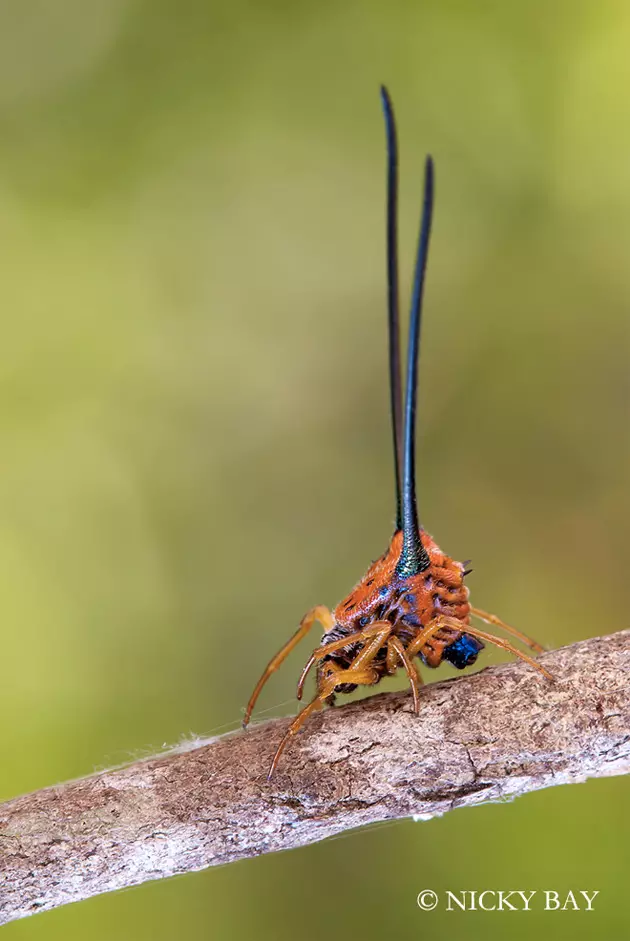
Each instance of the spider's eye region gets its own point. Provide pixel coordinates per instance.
(363, 621)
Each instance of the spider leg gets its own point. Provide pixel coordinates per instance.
(319, 613)
(365, 656)
(359, 673)
(493, 619)
(414, 648)
(378, 627)
(500, 642)
(444, 621)
(395, 649)
(361, 677)
(393, 664)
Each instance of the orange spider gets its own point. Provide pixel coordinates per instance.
(412, 602)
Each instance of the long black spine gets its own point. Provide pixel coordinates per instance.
(395, 383)
(414, 557)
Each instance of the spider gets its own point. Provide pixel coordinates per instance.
(412, 602)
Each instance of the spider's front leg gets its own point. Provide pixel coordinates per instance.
(379, 630)
(359, 673)
(328, 684)
(319, 613)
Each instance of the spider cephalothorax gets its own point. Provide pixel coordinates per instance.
(412, 602)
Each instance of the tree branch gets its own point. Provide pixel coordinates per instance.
(484, 737)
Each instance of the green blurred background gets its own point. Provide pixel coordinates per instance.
(194, 416)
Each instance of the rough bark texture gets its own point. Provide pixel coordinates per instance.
(493, 735)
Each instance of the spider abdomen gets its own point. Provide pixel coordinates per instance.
(409, 604)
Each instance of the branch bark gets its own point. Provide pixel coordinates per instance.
(483, 737)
